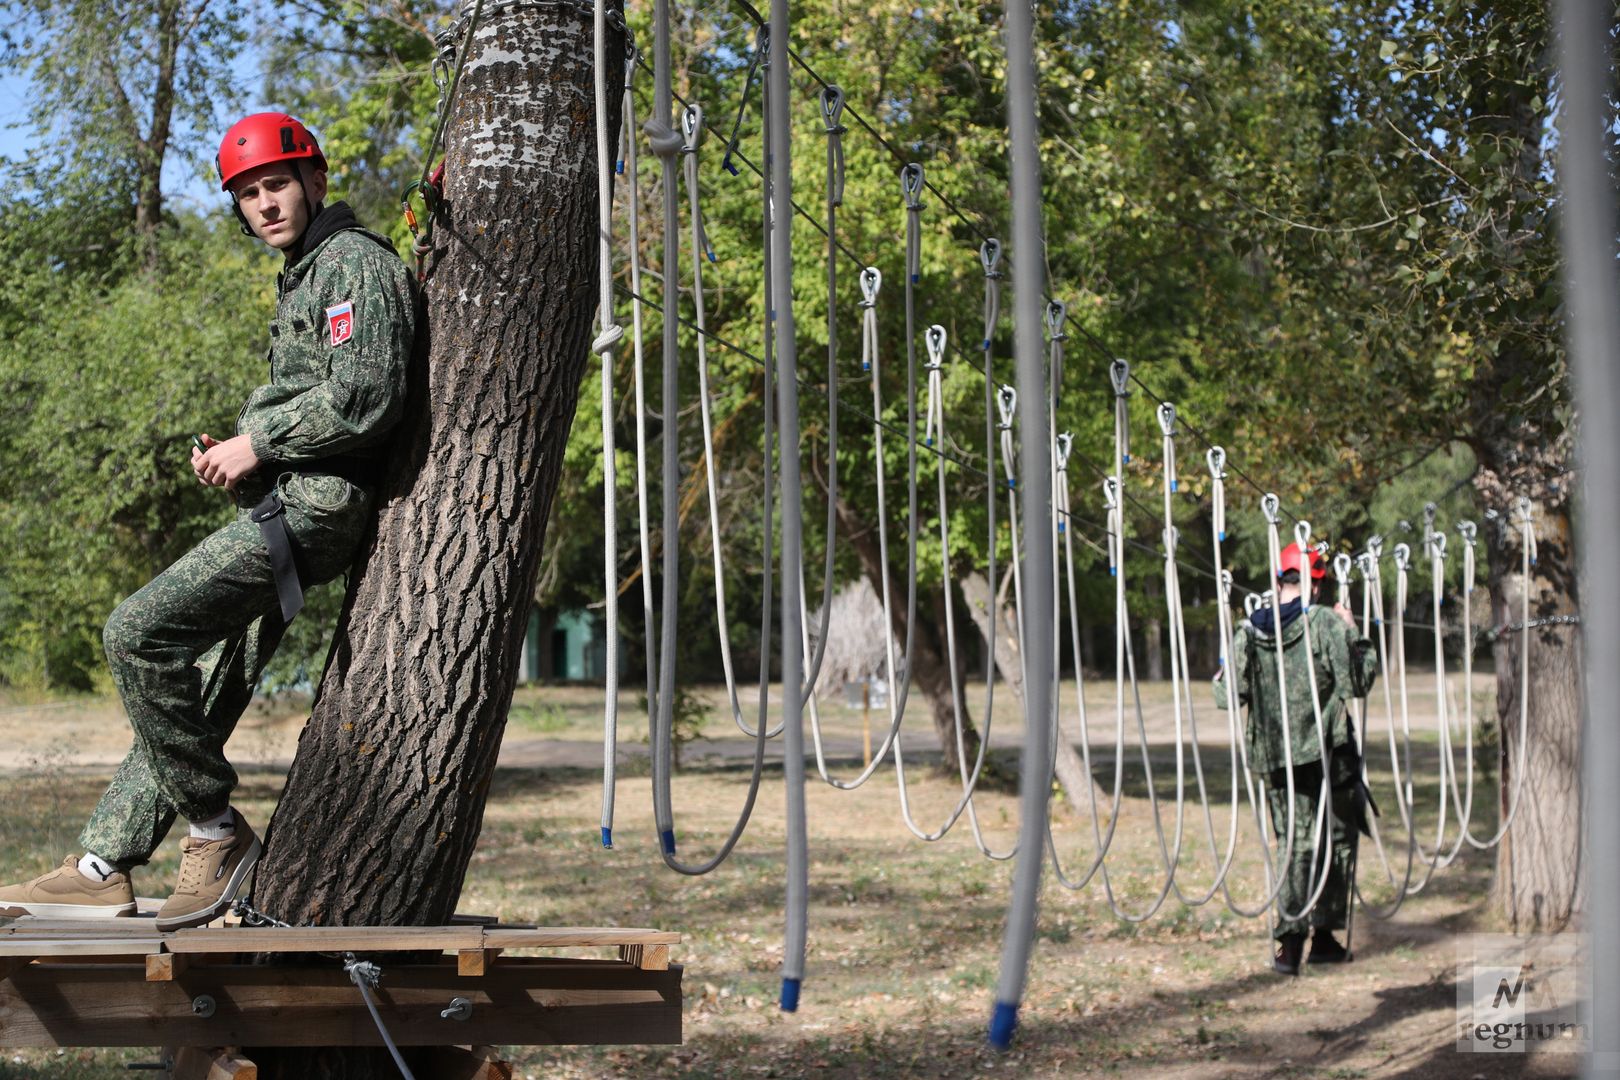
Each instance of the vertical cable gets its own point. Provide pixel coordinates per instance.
(1028, 260)
(787, 404)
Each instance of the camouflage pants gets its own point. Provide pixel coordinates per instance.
(187, 651)
(1339, 850)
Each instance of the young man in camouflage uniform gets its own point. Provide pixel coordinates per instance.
(187, 650)
(1345, 667)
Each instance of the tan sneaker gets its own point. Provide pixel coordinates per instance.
(64, 893)
(211, 872)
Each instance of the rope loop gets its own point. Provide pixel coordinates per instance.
(1007, 405)
(1063, 445)
(1403, 557)
(1270, 505)
(832, 109)
(1226, 586)
(1375, 547)
(1216, 458)
(1437, 544)
(871, 282)
(1167, 419)
(1342, 565)
(1322, 548)
(1302, 535)
(990, 257)
(1110, 486)
(607, 339)
(692, 128)
(1056, 312)
(934, 338)
(911, 185)
(1252, 602)
(1171, 536)
(1368, 566)
(1120, 372)
(1469, 531)
(1429, 512)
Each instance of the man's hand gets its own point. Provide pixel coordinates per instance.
(224, 463)
(1344, 613)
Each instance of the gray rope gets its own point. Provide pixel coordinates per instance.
(1037, 619)
(608, 337)
(787, 396)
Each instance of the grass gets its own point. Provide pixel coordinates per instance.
(905, 936)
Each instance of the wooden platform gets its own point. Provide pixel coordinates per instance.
(120, 982)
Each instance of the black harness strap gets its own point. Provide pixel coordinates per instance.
(271, 517)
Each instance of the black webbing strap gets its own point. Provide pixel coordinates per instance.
(271, 517)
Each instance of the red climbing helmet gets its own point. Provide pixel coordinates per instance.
(261, 138)
(1291, 559)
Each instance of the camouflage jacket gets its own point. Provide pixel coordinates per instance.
(1335, 648)
(340, 344)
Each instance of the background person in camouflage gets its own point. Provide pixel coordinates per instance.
(187, 650)
(1345, 667)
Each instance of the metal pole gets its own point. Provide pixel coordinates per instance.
(787, 410)
(1035, 472)
(1591, 286)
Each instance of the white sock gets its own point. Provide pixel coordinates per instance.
(217, 827)
(95, 867)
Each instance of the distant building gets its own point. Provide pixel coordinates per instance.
(566, 646)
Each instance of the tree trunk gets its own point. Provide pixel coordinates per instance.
(1153, 629)
(1071, 771)
(930, 667)
(385, 799)
(1538, 884)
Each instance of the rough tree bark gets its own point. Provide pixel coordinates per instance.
(930, 666)
(386, 795)
(1539, 886)
(1071, 771)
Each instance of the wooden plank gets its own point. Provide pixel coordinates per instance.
(30, 946)
(563, 936)
(164, 967)
(545, 1001)
(475, 961)
(120, 927)
(295, 939)
(467, 1063)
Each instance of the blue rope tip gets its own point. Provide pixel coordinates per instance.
(1126, 458)
(790, 995)
(915, 278)
(667, 838)
(711, 255)
(1223, 538)
(985, 344)
(866, 367)
(729, 167)
(607, 838)
(618, 166)
(1012, 483)
(1112, 572)
(928, 442)
(1175, 485)
(1060, 528)
(1003, 1022)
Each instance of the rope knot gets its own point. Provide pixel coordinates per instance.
(911, 185)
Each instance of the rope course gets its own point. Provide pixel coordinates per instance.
(1025, 455)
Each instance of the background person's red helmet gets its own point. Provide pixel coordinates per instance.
(1292, 559)
(262, 138)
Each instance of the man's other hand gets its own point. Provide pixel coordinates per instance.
(225, 463)
(1344, 613)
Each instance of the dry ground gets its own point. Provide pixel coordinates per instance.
(905, 936)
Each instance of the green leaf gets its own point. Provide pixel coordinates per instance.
(1387, 49)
